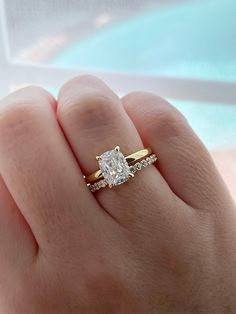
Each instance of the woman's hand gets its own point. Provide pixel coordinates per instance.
(164, 242)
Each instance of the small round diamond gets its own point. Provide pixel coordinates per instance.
(132, 169)
(103, 184)
(138, 166)
(154, 158)
(148, 159)
(151, 158)
(144, 163)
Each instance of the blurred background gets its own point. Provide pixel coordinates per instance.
(183, 50)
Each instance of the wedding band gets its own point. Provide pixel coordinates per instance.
(116, 169)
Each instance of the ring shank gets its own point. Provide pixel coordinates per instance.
(97, 175)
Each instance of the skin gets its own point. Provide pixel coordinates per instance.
(164, 242)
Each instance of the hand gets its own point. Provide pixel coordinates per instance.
(163, 242)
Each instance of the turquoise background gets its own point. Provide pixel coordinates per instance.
(188, 40)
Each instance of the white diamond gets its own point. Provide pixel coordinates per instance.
(114, 167)
(132, 169)
(153, 158)
(103, 183)
(144, 163)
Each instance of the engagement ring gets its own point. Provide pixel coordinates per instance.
(116, 169)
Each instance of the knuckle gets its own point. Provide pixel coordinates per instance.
(30, 94)
(18, 119)
(36, 90)
(22, 111)
(91, 110)
(168, 122)
(138, 98)
(104, 281)
(84, 79)
(161, 117)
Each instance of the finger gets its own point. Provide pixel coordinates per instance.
(18, 247)
(94, 121)
(40, 170)
(183, 160)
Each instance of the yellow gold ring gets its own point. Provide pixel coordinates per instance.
(115, 167)
(151, 159)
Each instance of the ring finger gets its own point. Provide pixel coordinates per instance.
(94, 121)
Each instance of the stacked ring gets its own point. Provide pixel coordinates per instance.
(116, 169)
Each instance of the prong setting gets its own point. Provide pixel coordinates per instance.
(98, 157)
(151, 159)
(114, 167)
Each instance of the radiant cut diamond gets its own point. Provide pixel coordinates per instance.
(114, 167)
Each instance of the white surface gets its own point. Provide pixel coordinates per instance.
(14, 73)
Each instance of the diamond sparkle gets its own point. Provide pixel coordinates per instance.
(114, 167)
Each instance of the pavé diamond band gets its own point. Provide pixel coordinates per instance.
(116, 169)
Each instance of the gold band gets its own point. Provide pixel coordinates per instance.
(139, 165)
(97, 175)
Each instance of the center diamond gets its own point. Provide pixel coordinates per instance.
(114, 167)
